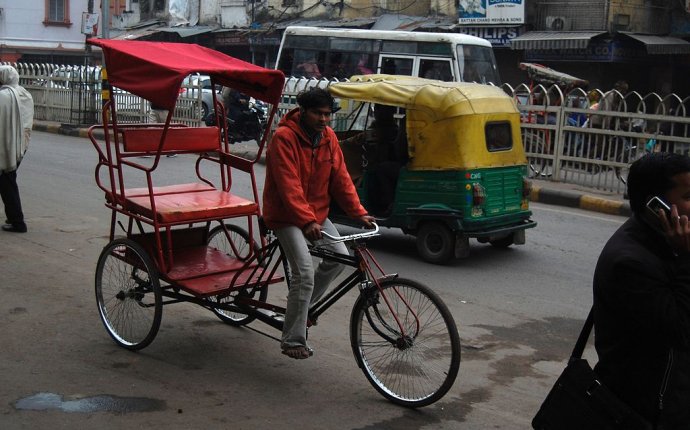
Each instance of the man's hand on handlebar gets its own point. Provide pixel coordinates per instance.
(367, 220)
(312, 231)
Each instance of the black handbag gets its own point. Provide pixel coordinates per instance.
(579, 401)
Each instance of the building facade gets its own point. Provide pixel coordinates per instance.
(42, 31)
(601, 41)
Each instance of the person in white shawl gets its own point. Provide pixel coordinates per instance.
(16, 122)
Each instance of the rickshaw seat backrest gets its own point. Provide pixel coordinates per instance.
(188, 139)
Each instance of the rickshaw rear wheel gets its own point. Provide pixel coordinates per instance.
(503, 242)
(413, 366)
(435, 242)
(128, 294)
(238, 245)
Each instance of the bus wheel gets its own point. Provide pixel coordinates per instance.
(435, 242)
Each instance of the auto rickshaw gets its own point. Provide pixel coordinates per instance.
(465, 173)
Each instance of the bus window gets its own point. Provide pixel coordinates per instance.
(342, 65)
(399, 47)
(335, 53)
(306, 63)
(396, 65)
(436, 69)
(477, 64)
(337, 66)
(352, 45)
(439, 49)
(364, 66)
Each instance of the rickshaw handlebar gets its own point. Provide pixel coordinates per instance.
(356, 236)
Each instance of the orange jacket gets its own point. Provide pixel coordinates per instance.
(301, 179)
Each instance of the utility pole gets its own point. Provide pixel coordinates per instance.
(105, 12)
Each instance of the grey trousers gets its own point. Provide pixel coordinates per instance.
(306, 284)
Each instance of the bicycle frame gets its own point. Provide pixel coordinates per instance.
(364, 276)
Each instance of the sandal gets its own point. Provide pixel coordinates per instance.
(298, 352)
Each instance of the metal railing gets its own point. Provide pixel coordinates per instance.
(562, 142)
(72, 95)
(564, 139)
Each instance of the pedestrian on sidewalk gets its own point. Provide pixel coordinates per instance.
(16, 121)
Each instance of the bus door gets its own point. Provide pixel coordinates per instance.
(397, 65)
(436, 68)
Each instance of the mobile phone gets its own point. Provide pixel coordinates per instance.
(655, 203)
(653, 206)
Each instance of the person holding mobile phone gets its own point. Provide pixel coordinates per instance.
(642, 295)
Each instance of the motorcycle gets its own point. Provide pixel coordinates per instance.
(249, 125)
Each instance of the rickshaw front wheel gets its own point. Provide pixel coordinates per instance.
(435, 242)
(128, 294)
(406, 342)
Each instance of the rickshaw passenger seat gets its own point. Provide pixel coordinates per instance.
(179, 203)
(183, 139)
(193, 187)
(191, 207)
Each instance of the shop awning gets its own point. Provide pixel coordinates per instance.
(554, 39)
(143, 32)
(188, 31)
(661, 45)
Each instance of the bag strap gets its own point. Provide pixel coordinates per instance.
(582, 339)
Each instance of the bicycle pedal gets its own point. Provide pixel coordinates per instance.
(271, 314)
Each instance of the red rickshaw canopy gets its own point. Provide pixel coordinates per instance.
(155, 70)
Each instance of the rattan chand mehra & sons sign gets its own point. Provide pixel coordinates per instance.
(491, 11)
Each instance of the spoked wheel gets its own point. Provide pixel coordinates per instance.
(128, 294)
(534, 143)
(417, 365)
(622, 174)
(236, 317)
(435, 242)
(237, 244)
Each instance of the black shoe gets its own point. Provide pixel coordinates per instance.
(15, 228)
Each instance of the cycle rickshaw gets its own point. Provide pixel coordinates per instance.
(178, 245)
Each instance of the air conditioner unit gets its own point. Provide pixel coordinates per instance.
(557, 23)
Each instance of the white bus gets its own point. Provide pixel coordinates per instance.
(319, 53)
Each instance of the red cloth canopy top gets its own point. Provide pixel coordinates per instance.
(155, 70)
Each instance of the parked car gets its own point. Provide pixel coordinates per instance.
(191, 86)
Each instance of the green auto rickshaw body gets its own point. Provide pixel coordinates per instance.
(466, 174)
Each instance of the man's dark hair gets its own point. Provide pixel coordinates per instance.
(652, 175)
(315, 98)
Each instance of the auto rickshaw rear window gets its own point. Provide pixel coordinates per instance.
(498, 136)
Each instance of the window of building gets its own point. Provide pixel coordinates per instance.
(57, 13)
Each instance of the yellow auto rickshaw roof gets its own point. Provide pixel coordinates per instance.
(445, 121)
(440, 99)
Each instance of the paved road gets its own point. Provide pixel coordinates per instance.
(518, 311)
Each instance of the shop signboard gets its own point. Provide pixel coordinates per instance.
(597, 51)
(499, 37)
(491, 11)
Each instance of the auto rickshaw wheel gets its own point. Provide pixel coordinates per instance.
(435, 242)
(503, 242)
